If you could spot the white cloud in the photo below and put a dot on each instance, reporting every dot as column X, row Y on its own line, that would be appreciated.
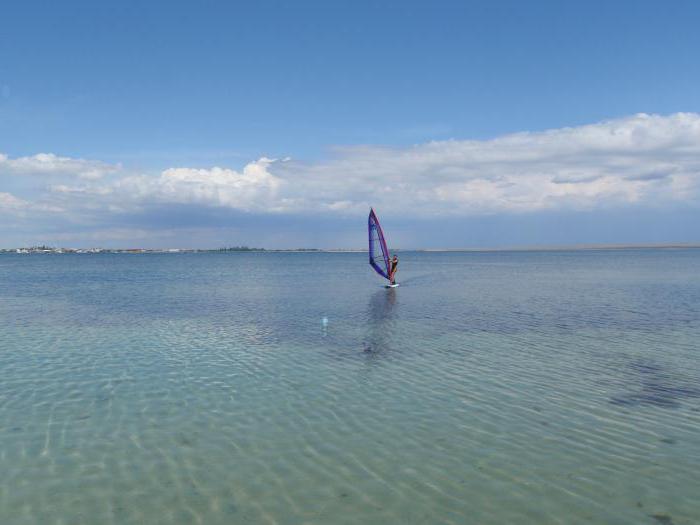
column 253, row 189
column 50, row 164
column 643, row 159
column 14, row 205
column 10, row 202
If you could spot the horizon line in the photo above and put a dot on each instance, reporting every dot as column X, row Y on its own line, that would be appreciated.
column 243, row 249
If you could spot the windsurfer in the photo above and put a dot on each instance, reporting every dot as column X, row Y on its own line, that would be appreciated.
column 394, row 267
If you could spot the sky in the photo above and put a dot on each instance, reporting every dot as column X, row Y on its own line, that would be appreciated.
column 278, row 124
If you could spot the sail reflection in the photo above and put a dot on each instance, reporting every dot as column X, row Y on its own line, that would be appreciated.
column 381, row 321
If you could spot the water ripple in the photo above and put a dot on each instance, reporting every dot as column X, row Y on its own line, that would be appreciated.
column 489, row 388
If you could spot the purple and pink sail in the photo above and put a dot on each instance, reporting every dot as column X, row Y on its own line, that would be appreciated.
column 378, row 251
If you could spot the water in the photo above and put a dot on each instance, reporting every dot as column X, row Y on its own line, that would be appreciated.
column 529, row 388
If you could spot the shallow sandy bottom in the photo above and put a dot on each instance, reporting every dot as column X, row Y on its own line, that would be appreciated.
column 528, row 388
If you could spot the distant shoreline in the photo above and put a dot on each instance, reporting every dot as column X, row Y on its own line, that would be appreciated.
column 583, row 247
column 576, row 247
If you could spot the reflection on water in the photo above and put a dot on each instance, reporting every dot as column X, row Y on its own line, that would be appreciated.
column 381, row 320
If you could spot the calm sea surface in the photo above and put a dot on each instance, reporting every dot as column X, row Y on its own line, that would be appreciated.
column 490, row 388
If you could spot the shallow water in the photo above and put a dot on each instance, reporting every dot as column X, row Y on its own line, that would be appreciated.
column 529, row 388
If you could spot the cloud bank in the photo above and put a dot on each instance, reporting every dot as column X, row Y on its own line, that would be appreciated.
column 50, row 164
column 640, row 161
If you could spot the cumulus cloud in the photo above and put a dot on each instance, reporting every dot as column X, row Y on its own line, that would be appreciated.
column 640, row 159
column 252, row 189
column 50, row 164
column 643, row 160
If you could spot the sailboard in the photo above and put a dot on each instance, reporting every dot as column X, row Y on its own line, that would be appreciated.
column 378, row 251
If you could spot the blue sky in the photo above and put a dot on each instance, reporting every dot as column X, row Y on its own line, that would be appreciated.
column 113, row 118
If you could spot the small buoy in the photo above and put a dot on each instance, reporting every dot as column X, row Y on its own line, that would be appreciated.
column 324, row 321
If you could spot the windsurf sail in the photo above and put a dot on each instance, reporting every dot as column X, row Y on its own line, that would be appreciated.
column 378, row 252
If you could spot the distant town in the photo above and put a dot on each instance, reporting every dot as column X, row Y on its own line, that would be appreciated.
column 53, row 249
column 56, row 250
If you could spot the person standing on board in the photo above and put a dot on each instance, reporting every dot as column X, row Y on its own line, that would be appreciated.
column 394, row 267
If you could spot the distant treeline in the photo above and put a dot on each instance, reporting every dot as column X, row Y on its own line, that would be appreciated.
column 249, row 249
column 241, row 249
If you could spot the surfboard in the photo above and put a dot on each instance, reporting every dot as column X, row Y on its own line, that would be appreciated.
column 392, row 285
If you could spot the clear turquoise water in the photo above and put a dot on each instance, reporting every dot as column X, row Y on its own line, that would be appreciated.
column 528, row 388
